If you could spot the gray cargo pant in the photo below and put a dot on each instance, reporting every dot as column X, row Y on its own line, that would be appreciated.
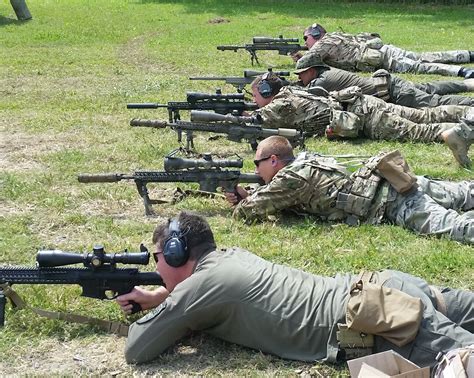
column 433, row 208
column 403, row 92
column 399, row 60
column 438, row 332
column 442, row 87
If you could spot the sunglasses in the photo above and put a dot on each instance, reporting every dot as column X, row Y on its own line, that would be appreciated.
column 305, row 37
column 155, row 255
column 258, row 161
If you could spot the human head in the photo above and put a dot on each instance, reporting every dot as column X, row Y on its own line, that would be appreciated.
column 196, row 235
column 265, row 87
column 273, row 153
column 312, row 34
column 309, row 66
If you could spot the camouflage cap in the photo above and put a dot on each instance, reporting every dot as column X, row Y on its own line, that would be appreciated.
column 307, row 61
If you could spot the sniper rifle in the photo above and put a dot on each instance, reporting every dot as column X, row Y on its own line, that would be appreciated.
column 284, row 46
column 100, row 278
column 218, row 102
column 240, row 82
column 205, row 171
column 247, row 128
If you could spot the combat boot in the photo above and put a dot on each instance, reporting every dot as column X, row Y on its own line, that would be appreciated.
column 460, row 138
column 469, row 83
column 467, row 73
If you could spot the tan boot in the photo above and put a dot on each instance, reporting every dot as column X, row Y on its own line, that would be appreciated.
column 458, row 145
column 469, row 83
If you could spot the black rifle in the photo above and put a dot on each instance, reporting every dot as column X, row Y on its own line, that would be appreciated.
column 284, row 46
column 206, row 171
column 100, row 278
column 240, row 82
column 247, row 128
column 218, row 102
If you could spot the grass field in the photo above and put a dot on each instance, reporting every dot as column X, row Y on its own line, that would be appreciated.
column 65, row 78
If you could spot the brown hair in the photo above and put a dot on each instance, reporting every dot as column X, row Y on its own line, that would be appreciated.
column 196, row 231
column 277, row 145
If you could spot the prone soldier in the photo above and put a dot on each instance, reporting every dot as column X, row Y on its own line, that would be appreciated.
column 349, row 114
column 367, row 52
column 225, row 293
column 383, row 189
column 312, row 72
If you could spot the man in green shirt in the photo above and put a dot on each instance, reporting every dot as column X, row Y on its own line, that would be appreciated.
column 312, row 72
column 237, row 296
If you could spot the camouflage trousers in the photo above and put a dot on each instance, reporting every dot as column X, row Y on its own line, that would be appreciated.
column 405, row 93
column 432, row 209
column 438, row 332
column 384, row 121
column 399, row 60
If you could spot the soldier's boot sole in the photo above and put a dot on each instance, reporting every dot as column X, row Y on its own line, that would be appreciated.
column 458, row 147
column 469, row 83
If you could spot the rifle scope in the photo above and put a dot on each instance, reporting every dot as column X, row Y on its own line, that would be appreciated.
column 176, row 163
column 97, row 258
column 200, row 116
column 250, row 73
column 275, row 40
column 198, row 96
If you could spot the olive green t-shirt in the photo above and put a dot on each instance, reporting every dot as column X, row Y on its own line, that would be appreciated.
column 239, row 297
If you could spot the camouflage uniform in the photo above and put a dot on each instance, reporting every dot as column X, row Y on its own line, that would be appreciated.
column 314, row 186
column 228, row 297
column 394, row 89
column 366, row 52
column 367, row 115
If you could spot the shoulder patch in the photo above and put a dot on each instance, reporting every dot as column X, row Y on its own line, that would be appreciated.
column 152, row 314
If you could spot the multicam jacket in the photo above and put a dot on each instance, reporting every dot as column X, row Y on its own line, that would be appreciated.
column 344, row 50
column 305, row 185
column 296, row 108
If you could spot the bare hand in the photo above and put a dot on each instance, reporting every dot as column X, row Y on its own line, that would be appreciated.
column 145, row 298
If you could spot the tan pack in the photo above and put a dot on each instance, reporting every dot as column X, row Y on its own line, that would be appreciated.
column 383, row 311
column 394, row 168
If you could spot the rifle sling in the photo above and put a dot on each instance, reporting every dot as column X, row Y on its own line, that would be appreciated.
column 117, row 328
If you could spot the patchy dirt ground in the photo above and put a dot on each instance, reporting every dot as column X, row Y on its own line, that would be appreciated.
column 197, row 355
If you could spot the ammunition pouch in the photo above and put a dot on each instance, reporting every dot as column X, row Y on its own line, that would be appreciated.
column 357, row 199
column 381, row 80
column 343, row 125
column 374, row 43
column 370, row 58
column 394, row 168
column 386, row 312
column 365, row 196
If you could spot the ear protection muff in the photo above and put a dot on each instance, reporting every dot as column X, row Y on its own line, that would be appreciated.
column 175, row 250
column 315, row 31
column 264, row 87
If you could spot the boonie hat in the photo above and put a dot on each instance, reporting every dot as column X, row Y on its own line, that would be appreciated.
column 307, row 61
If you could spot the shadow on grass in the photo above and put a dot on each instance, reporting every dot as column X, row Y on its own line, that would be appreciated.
column 330, row 9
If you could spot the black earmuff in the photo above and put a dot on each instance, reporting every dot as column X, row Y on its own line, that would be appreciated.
column 175, row 250
column 264, row 87
column 315, row 31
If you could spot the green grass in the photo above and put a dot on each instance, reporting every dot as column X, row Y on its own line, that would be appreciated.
column 65, row 78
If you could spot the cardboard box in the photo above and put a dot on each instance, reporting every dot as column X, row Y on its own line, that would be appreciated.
column 385, row 365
